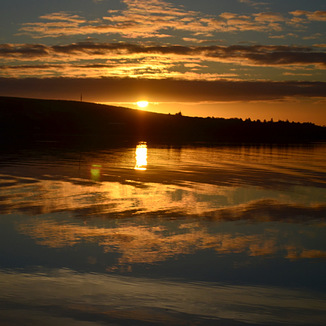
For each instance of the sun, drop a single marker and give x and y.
(142, 104)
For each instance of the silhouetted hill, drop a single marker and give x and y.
(22, 118)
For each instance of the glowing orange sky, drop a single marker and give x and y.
(171, 41)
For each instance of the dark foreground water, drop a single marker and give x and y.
(159, 235)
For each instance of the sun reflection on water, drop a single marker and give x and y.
(141, 156)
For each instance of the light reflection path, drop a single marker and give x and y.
(141, 156)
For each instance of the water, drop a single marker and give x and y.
(156, 235)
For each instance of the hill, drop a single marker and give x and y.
(22, 118)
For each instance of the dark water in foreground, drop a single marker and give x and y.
(163, 236)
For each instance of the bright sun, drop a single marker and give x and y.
(142, 104)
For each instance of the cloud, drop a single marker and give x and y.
(269, 17)
(322, 45)
(23, 51)
(159, 90)
(301, 18)
(163, 60)
(63, 16)
(158, 18)
(296, 74)
(254, 3)
(310, 15)
(140, 19)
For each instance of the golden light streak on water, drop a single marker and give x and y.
(141, 156)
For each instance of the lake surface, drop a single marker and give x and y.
(162, 235)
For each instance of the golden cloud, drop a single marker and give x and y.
(155, 17)
(152, 61)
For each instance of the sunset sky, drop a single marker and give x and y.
(261, 59)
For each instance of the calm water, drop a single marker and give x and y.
(149, 235)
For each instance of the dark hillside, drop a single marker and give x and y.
(53, 119)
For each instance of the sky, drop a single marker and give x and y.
(258, 59)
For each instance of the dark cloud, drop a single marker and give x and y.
(50, 66)
(128, 47)
(127, 89)
(256, 54)
(27, 67)
(251, 55)
(23, 50)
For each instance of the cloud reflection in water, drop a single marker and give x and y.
(250, 216)
(141, 241)
(177, 188)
